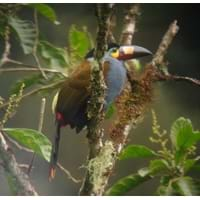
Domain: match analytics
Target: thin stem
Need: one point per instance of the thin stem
(40, 125)
(162, 77)
(37, 90)
(36, 44)
(30, 68)
(158, 58)
(7, 47)
(68, 173)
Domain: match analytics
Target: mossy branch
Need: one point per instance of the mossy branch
(131, 106)
(18, 180)
(95, 105)
(128, 102)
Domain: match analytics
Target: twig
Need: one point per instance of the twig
(158, 58)
(37, 90)
(40, 125)
(30, 68)
(7, 47)
(161, 77)
(68, 173)
(36, 44)
(18, 180)
(41, 118)
(95, 107)
(23, 166)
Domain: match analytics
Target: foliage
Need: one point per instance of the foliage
(127, 183)
(171, 165)
(54, 56)
(27, 81)
(45, 10)
(13, 103)
(136, 151)
(25, 31)
(31, 139)
(80, 42)
(110, 111)
(59, 59)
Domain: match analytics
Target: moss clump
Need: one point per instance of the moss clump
(100, 166)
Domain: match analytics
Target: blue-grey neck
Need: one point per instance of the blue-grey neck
(115, 79)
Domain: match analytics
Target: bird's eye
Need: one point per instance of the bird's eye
(115, 53)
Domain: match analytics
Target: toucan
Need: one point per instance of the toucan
(72, 99)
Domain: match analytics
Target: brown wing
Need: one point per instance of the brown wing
(73, 96)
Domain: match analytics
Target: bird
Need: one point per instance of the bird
(72, 99)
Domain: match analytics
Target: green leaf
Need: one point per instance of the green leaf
(110, 111)
(136, 151)
(54, 56)
(186, 186)
(166, 190)
(2, 27)
(196, 137)
(79, 41)
(31, 139)
(126, 184)
(188, 164)
(182, 134)
(25, 31)
(45, 10)
(158, 166)
(28, 82)
(196, 167)
(136, 64)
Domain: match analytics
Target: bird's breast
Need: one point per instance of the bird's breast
(115, 79)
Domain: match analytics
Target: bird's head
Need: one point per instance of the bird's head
(126, 52)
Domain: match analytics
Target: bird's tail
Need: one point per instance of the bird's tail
(54, 154)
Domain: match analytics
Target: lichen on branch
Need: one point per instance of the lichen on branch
(96, 102)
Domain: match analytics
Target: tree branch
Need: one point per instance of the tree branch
(95, 106)
(18, 180)
(158, 59)
(171, 77)
(69, 176)
(129, 27)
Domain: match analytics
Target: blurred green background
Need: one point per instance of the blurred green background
(171, 99)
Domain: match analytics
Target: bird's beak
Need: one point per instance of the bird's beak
(132, 52)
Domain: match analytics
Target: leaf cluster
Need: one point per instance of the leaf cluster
(59, 59)
(172, 163)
